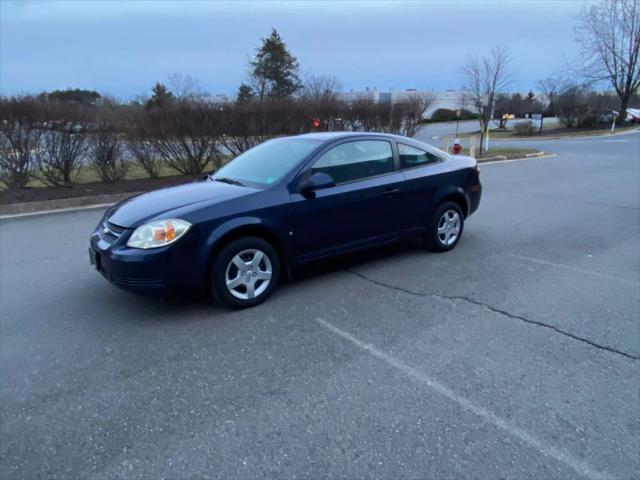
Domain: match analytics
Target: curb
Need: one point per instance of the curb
(62, 205)
(503, 158)
(530, 156)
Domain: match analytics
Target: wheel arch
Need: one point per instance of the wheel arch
(250, 228)
(457, 196)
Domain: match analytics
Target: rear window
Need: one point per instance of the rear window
(415, 157)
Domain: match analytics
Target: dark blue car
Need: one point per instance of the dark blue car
(281, 204)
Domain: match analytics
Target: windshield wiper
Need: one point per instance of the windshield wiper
(231, 181)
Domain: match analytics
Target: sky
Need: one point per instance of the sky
(123, 47)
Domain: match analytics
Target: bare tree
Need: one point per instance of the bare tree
(184, 87)
(609, 35)
(484, 78)
(321, 87)
(20, 131)
(549, 88)
(413, 108)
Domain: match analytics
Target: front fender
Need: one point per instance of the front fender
(231, 225)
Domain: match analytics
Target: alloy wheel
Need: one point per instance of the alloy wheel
(449, 227)
(248, 274)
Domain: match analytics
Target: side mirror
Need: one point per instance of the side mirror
(315, 182)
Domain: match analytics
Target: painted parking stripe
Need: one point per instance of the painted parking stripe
(578, 465)
(583, 271)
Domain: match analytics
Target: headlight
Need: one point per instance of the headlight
(158, 233)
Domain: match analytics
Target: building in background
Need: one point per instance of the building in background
(449, 99)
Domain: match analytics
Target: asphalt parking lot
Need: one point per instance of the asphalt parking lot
(516, 355)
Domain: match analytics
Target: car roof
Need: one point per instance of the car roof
(326, 136)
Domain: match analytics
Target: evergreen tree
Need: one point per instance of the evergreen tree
(245, 93)
(274, 71)
(85, 97)
(161, 97)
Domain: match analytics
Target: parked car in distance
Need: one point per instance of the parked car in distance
(281, 204)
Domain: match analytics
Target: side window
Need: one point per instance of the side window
(355, 160)
(413, 157)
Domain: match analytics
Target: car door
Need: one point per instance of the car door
(359, 210)
(424, 173)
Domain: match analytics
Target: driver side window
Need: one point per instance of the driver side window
(356, 160)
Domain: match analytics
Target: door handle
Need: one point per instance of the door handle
(391, 191)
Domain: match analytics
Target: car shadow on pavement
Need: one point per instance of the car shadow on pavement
(352, 260)
(198, 306)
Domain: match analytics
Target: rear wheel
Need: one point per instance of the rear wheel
(245, 272)
(446, 227)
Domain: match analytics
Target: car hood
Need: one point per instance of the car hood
(139, 209)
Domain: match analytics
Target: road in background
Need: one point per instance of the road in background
(516, 355)
(433, 132)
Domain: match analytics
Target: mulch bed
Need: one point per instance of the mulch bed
(95, 188)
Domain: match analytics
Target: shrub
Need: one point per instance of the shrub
(186, 135)
(60, 154)
(137, 138)
(447, 115)
(524, 128)
(20, 132)
(107, 154)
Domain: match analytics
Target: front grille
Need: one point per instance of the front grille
(137, 282)
(110, 232)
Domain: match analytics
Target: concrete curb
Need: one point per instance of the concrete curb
(62, 205)
(531, 156)
(503, 158)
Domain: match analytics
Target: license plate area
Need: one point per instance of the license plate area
(94, 259)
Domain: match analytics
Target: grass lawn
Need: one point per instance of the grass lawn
(506, 153)
(87, 174)
(88, 183)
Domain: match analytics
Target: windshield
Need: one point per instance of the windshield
(268, 162)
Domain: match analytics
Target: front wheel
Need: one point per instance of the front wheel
(446, 227)
(245, 272)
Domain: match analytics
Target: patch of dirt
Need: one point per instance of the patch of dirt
(94, 188)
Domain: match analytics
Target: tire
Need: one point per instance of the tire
(443, 235)
(241, 280)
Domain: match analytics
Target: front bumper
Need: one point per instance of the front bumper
(173, 267)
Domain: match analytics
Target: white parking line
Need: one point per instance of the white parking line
(576, 269)
(576, 464)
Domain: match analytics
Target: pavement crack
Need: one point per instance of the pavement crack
(498, 311)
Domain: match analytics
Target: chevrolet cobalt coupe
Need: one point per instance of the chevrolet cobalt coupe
(281, 204)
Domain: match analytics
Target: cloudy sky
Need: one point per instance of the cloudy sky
(123, 47)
